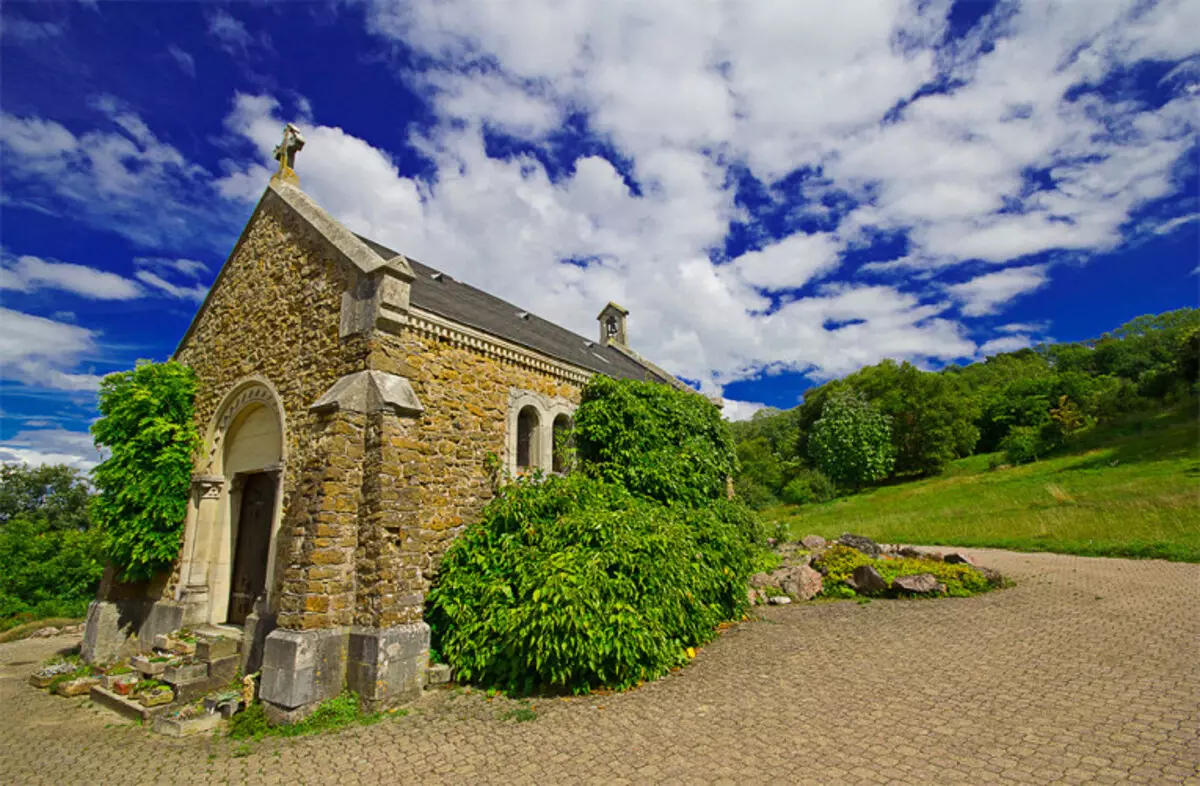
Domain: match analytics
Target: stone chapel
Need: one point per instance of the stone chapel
(349, 400)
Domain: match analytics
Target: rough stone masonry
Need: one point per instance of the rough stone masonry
(349, 401)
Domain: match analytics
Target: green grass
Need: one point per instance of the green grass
(333, 714)
(1130, 490)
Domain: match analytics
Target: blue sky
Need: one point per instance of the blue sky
(779, 192)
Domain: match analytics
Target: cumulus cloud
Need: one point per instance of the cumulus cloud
(37, 446)
(29, 273)
(986, 148)
(1010, 343)
(740, 410)
(44, 352)
(988, 293)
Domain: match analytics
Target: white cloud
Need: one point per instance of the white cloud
(122, 179)
(26, 31)
(185, 61)
(1022, 327)
(232, 34)
(194, 293)
(190, 268)
(42, 352)
(990, 292)
(1009, 343)
(37, 446)
(29, 273)
(740, 410)
(790, 263)
(1008, 155)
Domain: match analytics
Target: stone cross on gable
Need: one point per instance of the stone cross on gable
(285, 154)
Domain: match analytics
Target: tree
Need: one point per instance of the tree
(144, 486)
(852, 440)
(50, 554)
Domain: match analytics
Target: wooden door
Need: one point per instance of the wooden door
(253, 544)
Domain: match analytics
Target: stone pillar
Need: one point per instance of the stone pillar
(389, 644)
(304, 657)
(202, 521)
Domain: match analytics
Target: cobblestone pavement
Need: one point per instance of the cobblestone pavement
(1087, 671)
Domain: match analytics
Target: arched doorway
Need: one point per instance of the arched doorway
(229, 547)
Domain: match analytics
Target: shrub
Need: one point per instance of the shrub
(754, 494)
(1021, 445)
(811, 485)
(146, 421)
(574, 583)
(657, 441)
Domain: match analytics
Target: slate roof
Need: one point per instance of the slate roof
(437, 292)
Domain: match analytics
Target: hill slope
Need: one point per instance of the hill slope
(1130, 490)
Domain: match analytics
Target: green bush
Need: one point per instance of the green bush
(754, 494)
(657, 441)
(146, 421)
(811, 485)
(574, 583)
(1022, 445)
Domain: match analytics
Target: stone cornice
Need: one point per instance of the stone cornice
(434, 325)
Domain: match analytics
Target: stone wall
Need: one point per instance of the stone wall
(274, 312)
(433, 476)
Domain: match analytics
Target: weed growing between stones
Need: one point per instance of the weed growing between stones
(839, 562)
(337, 713)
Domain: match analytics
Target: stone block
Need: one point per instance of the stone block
(148, 667)
(387, 665)
(223, 670)
(78, 687)
(209, 648)
(182, 727)
(109, 627)
(190, 690)
(185, 672)
(162, 618)
(258, 626)
(302, 667)
(123, 706)
(439, 674)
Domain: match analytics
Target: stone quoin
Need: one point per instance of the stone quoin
(348, 398)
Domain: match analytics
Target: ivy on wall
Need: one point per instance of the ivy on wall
(147, 424)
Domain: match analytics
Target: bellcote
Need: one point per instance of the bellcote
(612, 325)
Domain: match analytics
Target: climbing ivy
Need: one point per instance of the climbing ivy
(147, 424)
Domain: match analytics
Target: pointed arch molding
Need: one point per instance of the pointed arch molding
(252, 390)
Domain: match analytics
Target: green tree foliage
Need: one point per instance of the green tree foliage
(1149, 362)
(147, 423)
(932, 415)
(49, 551)
(607, 575)
(852, 442)
(657, 441)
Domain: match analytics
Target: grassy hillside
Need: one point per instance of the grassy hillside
(1130, 490)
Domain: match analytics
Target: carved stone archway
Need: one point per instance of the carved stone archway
(247, 436)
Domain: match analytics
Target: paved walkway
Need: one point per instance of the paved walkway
(1087, 671)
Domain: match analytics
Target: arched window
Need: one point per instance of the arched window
(527, 438)
(563, 442)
